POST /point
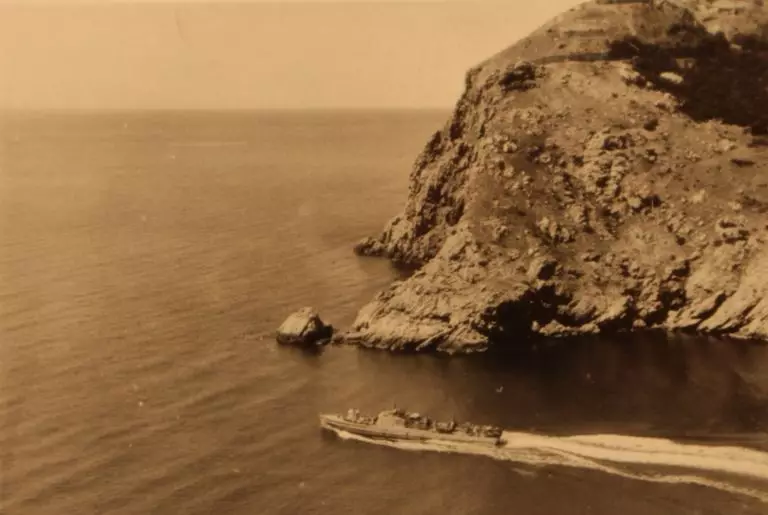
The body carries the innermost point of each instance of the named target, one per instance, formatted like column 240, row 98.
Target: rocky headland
column 607, row 173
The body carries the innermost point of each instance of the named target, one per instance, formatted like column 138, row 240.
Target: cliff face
column 607, row 173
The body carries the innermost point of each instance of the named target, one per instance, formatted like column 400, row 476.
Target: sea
column 146, row 259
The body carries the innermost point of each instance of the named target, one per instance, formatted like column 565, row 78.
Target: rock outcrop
column 304, row 327
column 608, row 173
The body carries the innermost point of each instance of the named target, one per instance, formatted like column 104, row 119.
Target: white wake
column 607, row 453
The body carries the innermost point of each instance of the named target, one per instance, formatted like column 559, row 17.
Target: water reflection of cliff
column 643, row 384
column 665, row 385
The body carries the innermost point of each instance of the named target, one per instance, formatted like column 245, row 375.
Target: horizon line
column 217, row 109
column 101, row 3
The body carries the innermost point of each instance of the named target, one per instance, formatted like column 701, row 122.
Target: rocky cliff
column 607, row 173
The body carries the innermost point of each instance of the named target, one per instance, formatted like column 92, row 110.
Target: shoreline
column 577, row 199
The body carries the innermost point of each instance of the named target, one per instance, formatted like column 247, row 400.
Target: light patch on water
column 606, row 453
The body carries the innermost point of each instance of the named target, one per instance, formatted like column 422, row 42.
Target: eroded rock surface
column 607, row 173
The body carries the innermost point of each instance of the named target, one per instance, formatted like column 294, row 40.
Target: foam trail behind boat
column 613, row 454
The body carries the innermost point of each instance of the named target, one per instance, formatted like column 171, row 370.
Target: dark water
column 145, row 260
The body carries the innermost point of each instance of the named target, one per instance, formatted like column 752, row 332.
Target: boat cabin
column 403, row 419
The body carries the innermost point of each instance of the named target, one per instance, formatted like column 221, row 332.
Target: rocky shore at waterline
column 607, row 173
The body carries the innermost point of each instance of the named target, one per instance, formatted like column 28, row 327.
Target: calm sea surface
column 145, row 261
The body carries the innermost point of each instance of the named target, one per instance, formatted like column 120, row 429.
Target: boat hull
column 402, row 433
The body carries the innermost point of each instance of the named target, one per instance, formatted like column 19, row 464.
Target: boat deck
column 392, row 428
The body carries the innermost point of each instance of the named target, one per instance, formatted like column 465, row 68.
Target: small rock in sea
column 304, row 327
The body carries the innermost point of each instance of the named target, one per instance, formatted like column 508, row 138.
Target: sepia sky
column 252, row 54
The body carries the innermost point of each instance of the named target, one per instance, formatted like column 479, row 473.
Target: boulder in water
column 304, row 327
